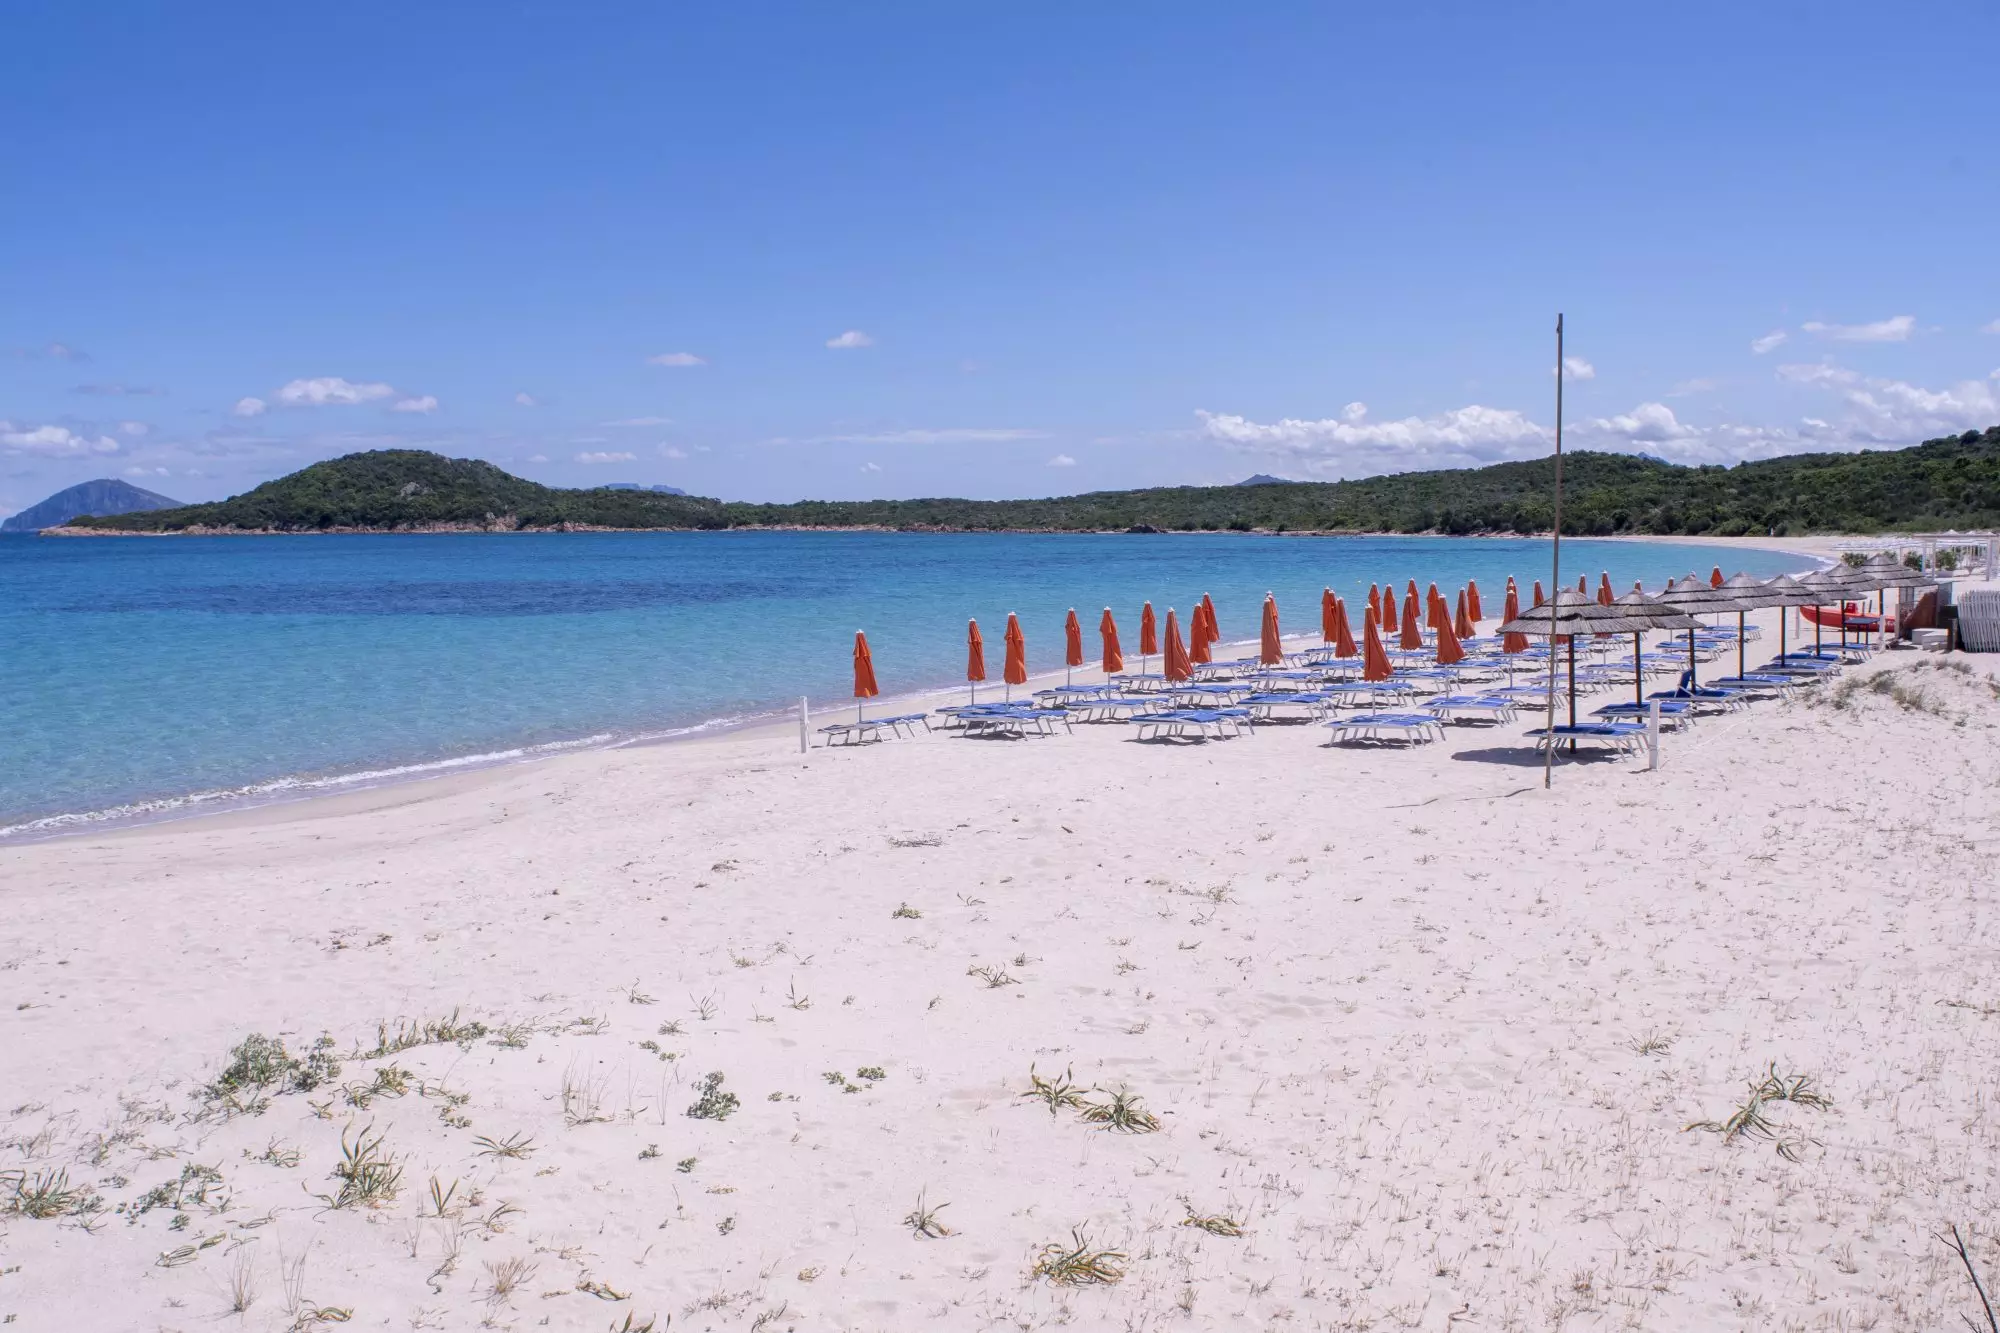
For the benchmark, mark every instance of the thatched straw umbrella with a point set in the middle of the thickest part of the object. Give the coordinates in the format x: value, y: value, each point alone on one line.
x: 1572, y: 613
x: 1658, y: 615
x: 1889, y: 572
x: 1837, y: 582
x: 1786, y: 591
x: 1750, y: 593
x: 1695, y: 595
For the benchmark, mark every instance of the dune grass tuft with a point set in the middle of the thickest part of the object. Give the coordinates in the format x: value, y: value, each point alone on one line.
x: 1077, y: 1264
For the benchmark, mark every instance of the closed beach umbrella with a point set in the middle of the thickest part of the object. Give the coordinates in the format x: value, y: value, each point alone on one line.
x: 975, y: 657
x: 1072, y: 645
x: 1448, y: 649
x: 1605, y: 596
x: 1015, y: 672
x: 1198, y: 633
x: 864, y: 673
x: 1715, y: 579
x: 1328, y: 604
x: 1512, y: 641
x: 1434, y: 607
x: 1107, y: 629
x: 1413, y: 630
x: 1389, y: 617
x: 1208, y: 619
x: 1343, y: 640
x: 1271, y: 651
x: 1149, y: 634
x: 1472, y: 601
x: 1374, y: 658
x: 1177, y: 665
x: 1539, y: 599
x: 1583, y: 584
x: 1461, y: 623
x: 1374, y: 601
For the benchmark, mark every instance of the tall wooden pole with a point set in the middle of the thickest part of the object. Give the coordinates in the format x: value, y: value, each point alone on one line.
x: 1555, y: 568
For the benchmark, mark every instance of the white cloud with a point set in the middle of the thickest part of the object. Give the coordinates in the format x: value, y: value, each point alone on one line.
x: 953, y: 435
x: 1884, y: 411
x: 425, y: 405
x: 249, y: 407
x: 678, y: 360
x: 1775, y: 338
x: 641, y: 421
x: 118, y: 391
x: 527, y: 400
x: 1648, y: 423
x: 1994, y: 327
x: 1576, y: 368
x: 602, y: 456
x: 871, y: 467
x: 331, y: 390
x: 53, y: 442
x: 61, y: 353
x: 538, y: 458
x: 1062, y: 460
x: 1352, y: 445
x: 851, y: 338
x: 136, y: 471
x: 669, y: 451
x: 1686, y: 387
x: 1895, y: 329
x: 134, y: 428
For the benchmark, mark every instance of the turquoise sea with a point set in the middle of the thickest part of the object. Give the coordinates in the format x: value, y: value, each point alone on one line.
x: 139, y: 676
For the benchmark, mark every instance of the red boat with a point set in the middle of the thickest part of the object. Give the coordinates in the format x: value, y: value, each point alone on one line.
x: 1856, y: 620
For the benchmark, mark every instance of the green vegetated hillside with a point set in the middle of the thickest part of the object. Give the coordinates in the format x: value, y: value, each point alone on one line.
x: 409, y: 488
x: 1952, y: 482
x: 1946, y: 483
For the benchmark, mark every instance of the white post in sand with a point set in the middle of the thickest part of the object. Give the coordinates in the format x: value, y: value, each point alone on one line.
x: 1653, y: 737
x: 805, y: 724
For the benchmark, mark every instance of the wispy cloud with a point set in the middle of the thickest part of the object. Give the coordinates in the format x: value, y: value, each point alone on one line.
x: 1694, y: 386
x: 1774, y: 339
x: 603, y: 456
x: 1352, y: 445
x: 52, y: 441
x: 1994, y: 327
x: 424, y: 405
x: 1062, y: 460
x: 50, y: 352
x: 331, y: 390
x: 641, y: 421
x: 871, y: 467
x: 849, y: 339
x: 527, y: 400
x: 677, y: 360
x: 672, y: 451
x: 249, y: 407
x: 1895, y: 329
x: 118, y: 391
x: 1576, y: 368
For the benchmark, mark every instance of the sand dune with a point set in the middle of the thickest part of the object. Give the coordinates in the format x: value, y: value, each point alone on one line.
x: 1428, y: 1037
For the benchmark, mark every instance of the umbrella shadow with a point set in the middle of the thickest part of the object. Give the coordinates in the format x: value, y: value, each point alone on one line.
x: 1527, y: 756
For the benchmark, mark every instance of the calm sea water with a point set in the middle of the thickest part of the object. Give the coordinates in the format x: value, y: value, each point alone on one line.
x: 143, y: 672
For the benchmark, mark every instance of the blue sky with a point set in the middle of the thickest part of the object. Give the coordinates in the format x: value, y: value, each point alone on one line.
x: 772, y: 251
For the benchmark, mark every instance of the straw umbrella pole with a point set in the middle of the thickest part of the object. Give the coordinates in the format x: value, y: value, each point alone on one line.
x: 1555, y: 564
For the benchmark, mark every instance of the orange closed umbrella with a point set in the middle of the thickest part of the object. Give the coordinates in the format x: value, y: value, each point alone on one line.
x: 1343, y: 641
x: 975, y: 657
x: 1715, y: 579
x: 1413, y: 630
x: 864, y: 673
x: 1328, y: 604
x: 1512, y: 641
x: 1583, y: 584
x: 1604, y: 593
x: 1434, y: 606
x: 1375, y: 601
x: 1016, y: 670
x: 1177, y: 665
x: 1213, y: 630
x: 1374, y: 660
x: 1472, y: 601
x: 1448, y: 649
x: 1388, y: 617
x: 1271, y: 652
x: 1107, y: 628
x: 1461, y: 624
x: 1149, y: 634
x: 1198, y: 636
x: 1539, y: 599
x: 1072, y: 645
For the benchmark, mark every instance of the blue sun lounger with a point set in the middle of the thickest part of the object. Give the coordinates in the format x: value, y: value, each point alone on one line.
x: 1674, y: 713
x: 1199, y: 723
x: 1493, y: 707
x: 1407, y: 728
x: 1624, y: 737
x: 871, y: 729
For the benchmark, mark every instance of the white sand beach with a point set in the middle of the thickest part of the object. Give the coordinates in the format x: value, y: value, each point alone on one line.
x: 1412, y: 1043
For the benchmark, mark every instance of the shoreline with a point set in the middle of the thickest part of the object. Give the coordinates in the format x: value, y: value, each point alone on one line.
x: 288, y: 791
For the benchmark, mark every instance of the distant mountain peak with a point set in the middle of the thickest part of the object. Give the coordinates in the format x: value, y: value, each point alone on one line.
x: 1265, y: 479
x: 104, y: 496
